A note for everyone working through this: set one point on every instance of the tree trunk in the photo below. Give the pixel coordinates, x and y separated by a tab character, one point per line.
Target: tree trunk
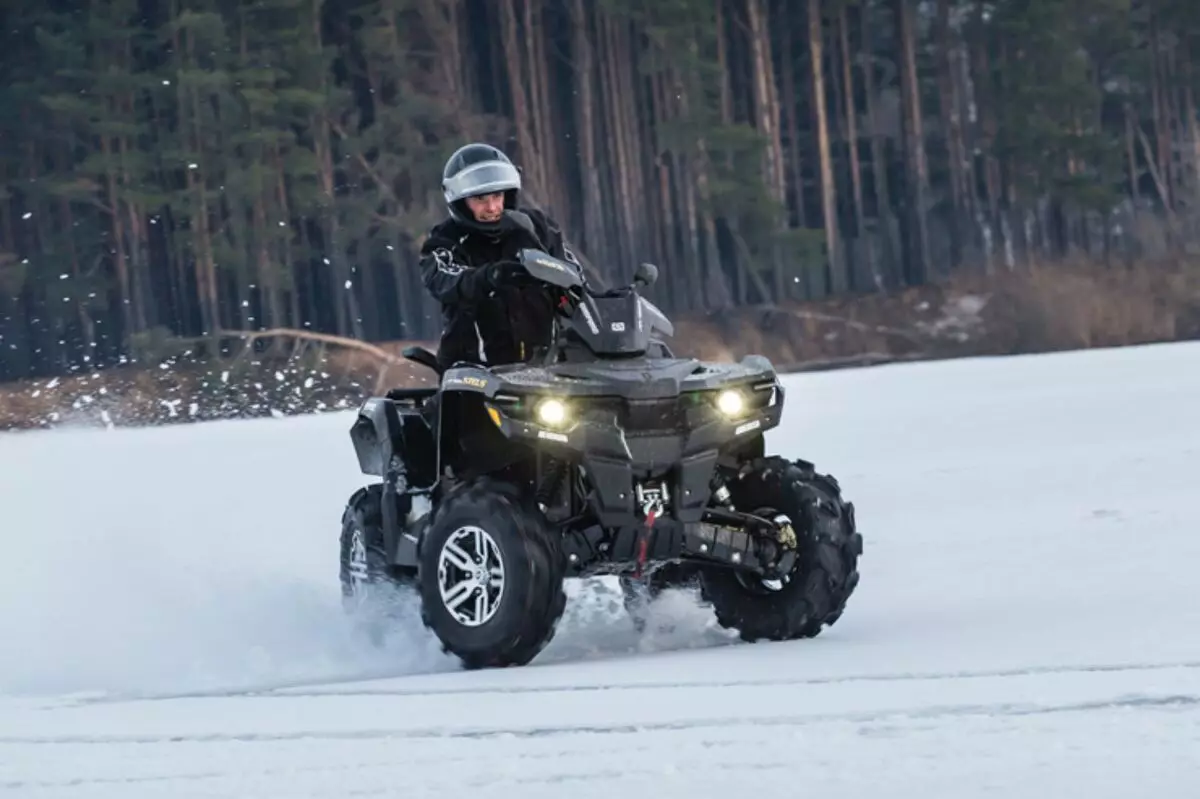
838	280
916	169
347	315
951	129
714	292
120	262
198	222
856	186
592	208
792	124
540	107
521	104
1162	133
766	116
746	272
879	163
663	223
984	98
620	107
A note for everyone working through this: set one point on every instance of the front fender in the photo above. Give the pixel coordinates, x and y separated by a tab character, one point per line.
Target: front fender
471	380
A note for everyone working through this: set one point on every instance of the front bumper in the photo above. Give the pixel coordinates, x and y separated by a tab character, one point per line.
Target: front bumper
682	452
595	550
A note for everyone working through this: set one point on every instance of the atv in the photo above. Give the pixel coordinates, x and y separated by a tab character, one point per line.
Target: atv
604	455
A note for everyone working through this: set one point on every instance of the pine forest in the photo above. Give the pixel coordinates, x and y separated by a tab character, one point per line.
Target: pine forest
175	168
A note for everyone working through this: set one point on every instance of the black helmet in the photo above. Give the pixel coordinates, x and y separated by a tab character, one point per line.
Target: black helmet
477	169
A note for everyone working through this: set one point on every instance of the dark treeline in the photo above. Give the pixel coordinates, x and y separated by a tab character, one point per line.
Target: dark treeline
173	167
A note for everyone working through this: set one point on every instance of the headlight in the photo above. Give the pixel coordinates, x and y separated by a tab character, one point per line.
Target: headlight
731	403
552	412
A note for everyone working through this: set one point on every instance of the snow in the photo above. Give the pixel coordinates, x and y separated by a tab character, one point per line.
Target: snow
1027	622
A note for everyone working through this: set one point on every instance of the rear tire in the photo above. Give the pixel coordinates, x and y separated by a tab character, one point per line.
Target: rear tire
826	572
369	586
491	576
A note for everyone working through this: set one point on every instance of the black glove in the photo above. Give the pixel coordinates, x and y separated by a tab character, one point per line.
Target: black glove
481	280
506	273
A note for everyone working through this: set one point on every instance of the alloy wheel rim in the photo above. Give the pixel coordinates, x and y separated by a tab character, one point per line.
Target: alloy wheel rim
471	576
359	573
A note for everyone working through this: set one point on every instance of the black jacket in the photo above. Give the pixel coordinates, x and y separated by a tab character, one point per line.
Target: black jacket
481	324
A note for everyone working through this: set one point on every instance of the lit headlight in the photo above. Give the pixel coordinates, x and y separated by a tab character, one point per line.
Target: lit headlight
552	412
731	403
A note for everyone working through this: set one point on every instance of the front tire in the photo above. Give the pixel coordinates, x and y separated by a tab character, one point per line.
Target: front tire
826	572
491	576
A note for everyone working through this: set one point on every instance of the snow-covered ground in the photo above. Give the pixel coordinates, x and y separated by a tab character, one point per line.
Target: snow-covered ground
1028	623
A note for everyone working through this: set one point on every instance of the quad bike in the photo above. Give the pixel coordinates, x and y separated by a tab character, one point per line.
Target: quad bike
605	455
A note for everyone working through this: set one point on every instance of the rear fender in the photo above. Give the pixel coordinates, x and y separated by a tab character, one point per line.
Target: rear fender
374	433
392	435
392	440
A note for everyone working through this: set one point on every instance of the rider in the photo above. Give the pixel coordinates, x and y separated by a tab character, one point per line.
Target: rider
490	315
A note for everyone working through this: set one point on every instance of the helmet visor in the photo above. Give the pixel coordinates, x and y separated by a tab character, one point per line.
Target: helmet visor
485	178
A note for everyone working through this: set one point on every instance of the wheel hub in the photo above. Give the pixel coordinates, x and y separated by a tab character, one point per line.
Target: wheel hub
786	539
471	576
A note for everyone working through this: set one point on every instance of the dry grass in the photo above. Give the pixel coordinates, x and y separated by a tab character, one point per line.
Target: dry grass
1080	306
1033	309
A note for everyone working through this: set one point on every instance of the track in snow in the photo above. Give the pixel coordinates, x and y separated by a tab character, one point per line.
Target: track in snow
1027	623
